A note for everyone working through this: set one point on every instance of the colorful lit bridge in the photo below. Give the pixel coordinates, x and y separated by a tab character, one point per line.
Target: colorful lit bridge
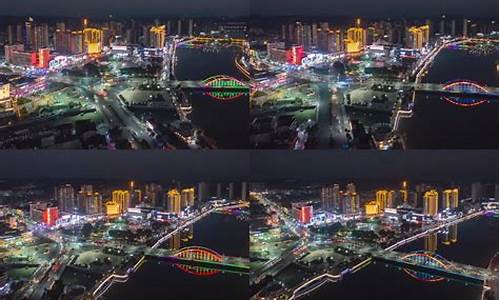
431	267
200	261
220	87
216	82
460	92
200	40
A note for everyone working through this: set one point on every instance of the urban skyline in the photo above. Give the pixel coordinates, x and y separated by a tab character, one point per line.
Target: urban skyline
249	150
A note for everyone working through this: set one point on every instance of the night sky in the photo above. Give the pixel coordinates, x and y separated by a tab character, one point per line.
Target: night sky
369	8
257	165
122	8
377	8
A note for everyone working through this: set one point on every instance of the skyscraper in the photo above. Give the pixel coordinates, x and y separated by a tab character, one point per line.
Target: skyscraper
187	197
122	197
431	203
450	198
174	201
157	36
330	196
64	195
153	195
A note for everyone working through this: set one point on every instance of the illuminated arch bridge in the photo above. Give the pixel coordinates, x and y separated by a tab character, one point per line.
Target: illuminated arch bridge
465	87
201	261
199	253
429	259
225	87
224	82
431	267
461	92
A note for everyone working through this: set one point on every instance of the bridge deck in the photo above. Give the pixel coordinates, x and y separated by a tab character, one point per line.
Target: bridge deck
453	270
228	263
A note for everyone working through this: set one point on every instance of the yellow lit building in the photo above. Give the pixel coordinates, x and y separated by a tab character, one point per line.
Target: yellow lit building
381	198
356	38
122	197
187	197
450	198
112	209
6	102
404	192
418	36
372	208
174	201
92	40
431	203
157	36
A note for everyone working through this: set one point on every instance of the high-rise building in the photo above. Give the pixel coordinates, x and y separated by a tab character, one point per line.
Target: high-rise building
92	40
153	195
356	38
14	34
418	36
179	27
330	197
450	198
303	212
404	191
122	197
88	201
477	193
40	37
351	188
431	203
64	195
203	192
381	198
41	212
157	36
231	191
244	191
465	27
174	201
187	197
350	203
372	208
28	34
190	28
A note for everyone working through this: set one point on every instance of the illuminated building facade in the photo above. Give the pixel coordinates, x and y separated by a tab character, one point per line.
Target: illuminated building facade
157	35
174	201
356	38
418	36
303	212
122	197
40	212
292	55
372	208
431	203
112	209
92	40
382	199
450	198
7	103
43	57
187	197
